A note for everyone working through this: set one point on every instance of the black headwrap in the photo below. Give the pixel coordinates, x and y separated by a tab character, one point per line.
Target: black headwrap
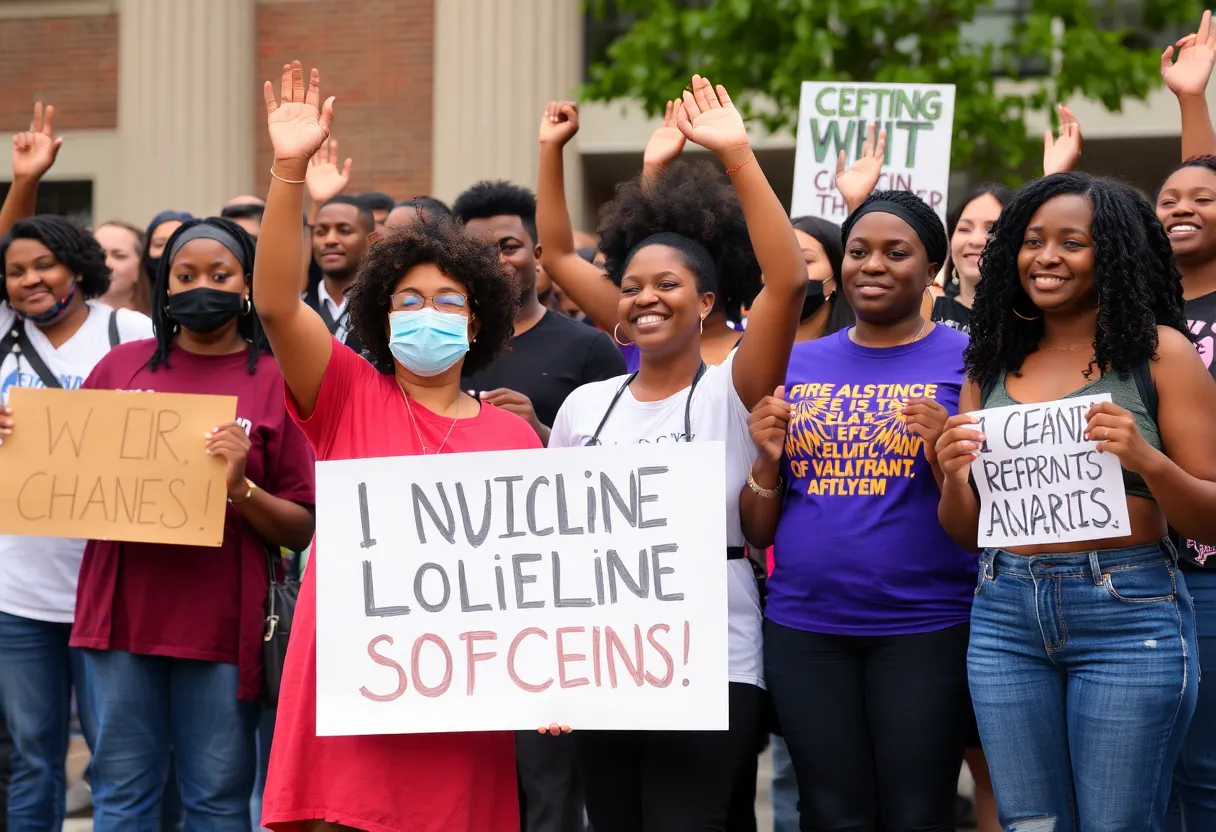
926	224
210	232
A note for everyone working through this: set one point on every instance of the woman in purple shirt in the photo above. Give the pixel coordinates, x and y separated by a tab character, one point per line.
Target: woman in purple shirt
866	630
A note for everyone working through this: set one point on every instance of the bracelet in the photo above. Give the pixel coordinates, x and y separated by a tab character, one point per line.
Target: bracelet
248	494
288	181
766	493
739	166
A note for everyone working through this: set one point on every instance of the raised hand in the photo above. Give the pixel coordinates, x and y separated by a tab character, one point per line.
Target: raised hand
325	180
299	124
1061	154
859	181
559	123
666	142
1188	75
34	150
709	118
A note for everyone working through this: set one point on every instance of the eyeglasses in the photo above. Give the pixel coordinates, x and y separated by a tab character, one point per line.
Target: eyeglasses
411	301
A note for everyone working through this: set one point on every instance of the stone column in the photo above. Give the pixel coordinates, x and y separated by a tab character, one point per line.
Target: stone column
496	66
186	92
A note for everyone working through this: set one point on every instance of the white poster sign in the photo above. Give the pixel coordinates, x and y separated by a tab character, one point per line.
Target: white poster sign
836	115
513	589
1040	481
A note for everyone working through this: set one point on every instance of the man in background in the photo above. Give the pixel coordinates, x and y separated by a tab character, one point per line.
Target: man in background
339	238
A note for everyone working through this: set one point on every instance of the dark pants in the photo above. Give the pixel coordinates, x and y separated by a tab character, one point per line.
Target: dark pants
550	789
6	770
874	725
669	781
1193	805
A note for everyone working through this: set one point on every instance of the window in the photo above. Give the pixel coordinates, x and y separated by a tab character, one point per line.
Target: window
71	199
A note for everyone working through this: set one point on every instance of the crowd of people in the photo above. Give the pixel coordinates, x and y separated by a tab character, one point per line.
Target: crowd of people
873	644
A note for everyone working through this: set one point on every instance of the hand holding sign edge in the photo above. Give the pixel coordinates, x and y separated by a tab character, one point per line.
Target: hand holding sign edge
1115	430
958	446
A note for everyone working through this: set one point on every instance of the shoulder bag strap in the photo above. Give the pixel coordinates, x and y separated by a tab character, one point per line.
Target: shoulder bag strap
1143	375
24	348
114	337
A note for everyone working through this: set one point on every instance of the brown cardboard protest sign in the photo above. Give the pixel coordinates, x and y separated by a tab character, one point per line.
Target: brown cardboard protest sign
113	465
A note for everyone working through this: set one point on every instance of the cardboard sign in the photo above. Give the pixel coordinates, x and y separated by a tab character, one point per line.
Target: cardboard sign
835	116
509	590
113	465
1041	482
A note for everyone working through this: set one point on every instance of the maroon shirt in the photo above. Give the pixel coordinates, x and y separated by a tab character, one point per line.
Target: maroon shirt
195	602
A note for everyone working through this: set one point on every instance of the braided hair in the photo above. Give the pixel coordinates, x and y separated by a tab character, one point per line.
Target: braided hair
72	246
164	327
694	201
1138	283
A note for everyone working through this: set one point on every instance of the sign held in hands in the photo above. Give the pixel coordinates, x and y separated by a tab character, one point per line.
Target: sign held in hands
1040	481
513	589
836	115
114	465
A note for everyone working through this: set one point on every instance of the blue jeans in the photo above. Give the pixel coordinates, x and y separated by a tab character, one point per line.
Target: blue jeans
38	672
1084	672
1194	800
264	736
785	788
144	705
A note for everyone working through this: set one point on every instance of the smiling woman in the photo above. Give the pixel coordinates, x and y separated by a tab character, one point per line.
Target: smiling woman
1080	296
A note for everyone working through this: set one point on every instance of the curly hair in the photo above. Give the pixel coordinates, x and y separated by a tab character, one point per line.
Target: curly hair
497	198
694	201
439	240
164	327
1138	283
71	245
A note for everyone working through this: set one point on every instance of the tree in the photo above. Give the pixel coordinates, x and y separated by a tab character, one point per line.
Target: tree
762	50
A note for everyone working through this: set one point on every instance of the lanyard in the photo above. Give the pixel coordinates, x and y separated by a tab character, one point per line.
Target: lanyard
595	438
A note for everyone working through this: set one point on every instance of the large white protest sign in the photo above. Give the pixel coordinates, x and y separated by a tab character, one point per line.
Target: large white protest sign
513	589
1040	481
836	115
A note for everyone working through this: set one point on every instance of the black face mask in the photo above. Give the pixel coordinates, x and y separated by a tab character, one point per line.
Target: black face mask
204	310
815	298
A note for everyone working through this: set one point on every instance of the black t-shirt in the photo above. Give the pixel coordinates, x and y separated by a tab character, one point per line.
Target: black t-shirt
1201	318
549	361
949	312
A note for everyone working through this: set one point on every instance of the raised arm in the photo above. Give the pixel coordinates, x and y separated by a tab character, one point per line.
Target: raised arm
34	152
325	179
298	128
1061	153
958	446
585	283
1188	78
711	120
859	181
1181	476
665	145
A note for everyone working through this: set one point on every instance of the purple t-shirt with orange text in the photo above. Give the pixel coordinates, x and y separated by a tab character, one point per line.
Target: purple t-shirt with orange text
859	550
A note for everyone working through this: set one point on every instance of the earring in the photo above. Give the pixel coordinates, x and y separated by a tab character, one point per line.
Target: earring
702	326
616	337
1023	317
247	306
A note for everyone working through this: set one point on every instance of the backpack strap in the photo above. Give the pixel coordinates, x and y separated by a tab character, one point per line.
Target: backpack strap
114	339
1143	375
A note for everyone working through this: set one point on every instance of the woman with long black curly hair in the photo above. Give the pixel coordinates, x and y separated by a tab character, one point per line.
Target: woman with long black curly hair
1082	662
666	242
428	301
172	635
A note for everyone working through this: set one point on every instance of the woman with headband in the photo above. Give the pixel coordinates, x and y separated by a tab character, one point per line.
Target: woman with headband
668	264
865	636
174	633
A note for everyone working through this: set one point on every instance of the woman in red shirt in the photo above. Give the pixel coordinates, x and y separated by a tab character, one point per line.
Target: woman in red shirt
174	633
429	302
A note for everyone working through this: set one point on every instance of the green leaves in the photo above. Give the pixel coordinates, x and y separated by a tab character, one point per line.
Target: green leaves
765	49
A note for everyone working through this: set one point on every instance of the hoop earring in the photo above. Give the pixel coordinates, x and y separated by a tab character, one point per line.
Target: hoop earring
616	338
247	306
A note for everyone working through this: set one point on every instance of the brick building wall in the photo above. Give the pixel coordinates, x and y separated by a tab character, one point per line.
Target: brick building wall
71	62
377	57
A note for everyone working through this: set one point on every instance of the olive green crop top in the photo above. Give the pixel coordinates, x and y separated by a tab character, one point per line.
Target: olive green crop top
1123	392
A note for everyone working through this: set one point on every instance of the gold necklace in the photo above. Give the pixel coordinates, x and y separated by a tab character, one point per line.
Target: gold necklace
1066	349
418	433
923	323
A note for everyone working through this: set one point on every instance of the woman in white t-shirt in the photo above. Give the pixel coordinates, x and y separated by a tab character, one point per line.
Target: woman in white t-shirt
52	333
665	247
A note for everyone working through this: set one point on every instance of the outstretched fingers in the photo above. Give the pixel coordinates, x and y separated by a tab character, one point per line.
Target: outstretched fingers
297	81
285	85
327	115
313	96
272	103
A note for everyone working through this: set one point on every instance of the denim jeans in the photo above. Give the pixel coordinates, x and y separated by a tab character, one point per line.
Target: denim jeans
1194	800
38	672
144	705
785	789
1084	672
264	735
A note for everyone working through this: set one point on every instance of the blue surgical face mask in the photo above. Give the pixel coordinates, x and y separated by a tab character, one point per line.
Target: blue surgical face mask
428	342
